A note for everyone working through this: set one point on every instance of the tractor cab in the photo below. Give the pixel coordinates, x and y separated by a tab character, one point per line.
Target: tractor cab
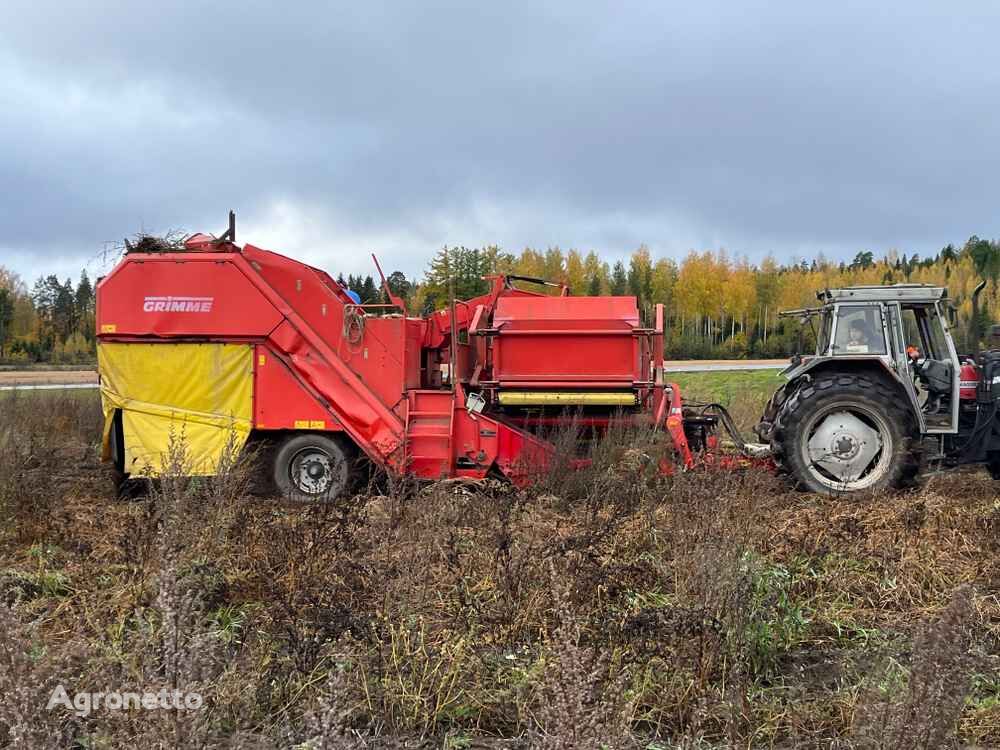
904	329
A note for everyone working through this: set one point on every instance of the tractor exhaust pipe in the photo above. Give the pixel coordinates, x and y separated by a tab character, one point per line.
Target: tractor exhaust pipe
974	333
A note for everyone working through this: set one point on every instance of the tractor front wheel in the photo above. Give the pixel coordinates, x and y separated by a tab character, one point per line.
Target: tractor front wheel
313	467
844	433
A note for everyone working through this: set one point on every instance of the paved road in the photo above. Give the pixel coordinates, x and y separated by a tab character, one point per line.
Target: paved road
47	386
46	380
723	365
34	380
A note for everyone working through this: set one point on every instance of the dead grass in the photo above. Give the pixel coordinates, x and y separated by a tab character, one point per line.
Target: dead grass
611	607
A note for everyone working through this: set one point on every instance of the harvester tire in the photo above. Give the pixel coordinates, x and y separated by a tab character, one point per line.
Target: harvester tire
846	411
313	467
125	487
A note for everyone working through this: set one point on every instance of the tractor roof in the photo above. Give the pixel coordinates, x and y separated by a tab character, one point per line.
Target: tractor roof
888	293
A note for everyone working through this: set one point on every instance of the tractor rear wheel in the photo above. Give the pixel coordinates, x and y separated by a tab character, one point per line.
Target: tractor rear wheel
313	467
845	433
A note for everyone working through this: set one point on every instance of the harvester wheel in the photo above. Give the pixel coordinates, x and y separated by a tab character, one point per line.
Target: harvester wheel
125	487
845	433
312	467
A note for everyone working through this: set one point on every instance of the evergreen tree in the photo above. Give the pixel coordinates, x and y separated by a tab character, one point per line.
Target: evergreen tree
369	293
461	269
985	256
597	274
64	317
84	302
44	295
619	280
6	318
863	260
399	285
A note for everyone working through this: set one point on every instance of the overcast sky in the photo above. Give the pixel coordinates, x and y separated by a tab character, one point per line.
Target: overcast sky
338	129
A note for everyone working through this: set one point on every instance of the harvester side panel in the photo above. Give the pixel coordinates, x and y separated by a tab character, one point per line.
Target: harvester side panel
480	442
379	357
281	402
182	295
371	349
566	341
373	427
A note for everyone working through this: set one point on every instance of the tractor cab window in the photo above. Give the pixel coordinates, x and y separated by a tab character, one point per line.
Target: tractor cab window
923	330
938	337
859	330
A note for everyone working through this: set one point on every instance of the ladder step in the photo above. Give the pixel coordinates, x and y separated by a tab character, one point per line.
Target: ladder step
428	430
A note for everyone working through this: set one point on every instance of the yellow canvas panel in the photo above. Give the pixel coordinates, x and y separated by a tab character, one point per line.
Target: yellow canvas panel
201	393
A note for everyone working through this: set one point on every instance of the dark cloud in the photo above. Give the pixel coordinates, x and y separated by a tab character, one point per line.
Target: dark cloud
792	128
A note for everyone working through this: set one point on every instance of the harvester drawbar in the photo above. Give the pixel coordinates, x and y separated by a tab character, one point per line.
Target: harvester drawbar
214	345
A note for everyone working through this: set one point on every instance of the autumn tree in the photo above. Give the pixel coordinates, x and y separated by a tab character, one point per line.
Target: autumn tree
596	273
640	276
719	305
576	273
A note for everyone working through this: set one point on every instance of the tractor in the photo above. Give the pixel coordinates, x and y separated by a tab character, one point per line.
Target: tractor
886	397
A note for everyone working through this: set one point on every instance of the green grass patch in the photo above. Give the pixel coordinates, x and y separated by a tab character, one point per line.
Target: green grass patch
743	392
727	387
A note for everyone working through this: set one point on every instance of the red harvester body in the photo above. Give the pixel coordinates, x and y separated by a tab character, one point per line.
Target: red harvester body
461	392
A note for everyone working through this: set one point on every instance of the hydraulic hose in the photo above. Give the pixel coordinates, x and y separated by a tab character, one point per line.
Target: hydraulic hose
726	419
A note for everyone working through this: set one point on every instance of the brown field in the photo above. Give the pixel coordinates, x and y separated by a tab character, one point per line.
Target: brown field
609	608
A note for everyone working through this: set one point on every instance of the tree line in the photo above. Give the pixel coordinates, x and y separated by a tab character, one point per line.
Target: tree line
717	304
51	322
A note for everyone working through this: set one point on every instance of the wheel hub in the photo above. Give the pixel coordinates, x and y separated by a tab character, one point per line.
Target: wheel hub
844	446
312	472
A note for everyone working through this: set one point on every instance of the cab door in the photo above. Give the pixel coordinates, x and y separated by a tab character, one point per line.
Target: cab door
925	329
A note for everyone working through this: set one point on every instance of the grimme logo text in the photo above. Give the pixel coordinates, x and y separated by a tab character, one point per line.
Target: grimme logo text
178	304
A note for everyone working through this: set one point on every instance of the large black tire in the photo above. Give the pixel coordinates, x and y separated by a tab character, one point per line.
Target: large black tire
314	467
125	486
873	400
765	428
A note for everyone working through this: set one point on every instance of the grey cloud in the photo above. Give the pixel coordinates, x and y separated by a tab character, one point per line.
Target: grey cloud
784	127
